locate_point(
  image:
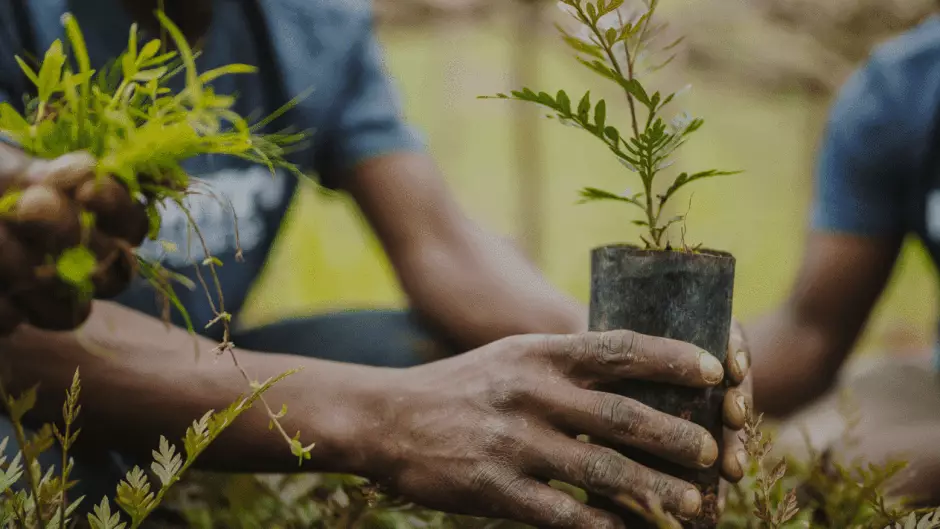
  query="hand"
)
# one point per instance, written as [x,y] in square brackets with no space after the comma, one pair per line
[483,433]
[44,221]
[738,403]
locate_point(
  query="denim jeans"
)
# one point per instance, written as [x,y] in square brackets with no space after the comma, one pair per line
[375,338]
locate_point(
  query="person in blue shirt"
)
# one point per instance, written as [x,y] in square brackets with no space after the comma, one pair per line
[877,182]
[480,432]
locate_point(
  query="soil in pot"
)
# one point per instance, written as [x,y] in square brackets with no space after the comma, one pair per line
[682,295]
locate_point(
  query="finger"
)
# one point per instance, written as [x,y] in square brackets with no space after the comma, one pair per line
[603,471]
[627,422]
[537,504]
[54,306]
[10,316]
[116,212]
[116,265]
[734,410]
[65,173]
[15,267]
[739,357]
[734,459]
[617,355]
[46,220]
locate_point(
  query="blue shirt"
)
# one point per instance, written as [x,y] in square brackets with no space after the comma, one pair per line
[877,172]
[354,114]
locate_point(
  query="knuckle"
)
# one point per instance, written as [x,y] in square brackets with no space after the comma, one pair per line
[615,347]
[618,415]
[565,514]
[501,439]
[509,392]
[484,476]
[668,490]
[603,471]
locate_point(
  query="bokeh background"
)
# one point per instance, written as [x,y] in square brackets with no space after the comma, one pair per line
[762,74]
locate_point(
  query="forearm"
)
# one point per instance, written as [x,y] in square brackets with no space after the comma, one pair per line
[792,363]
[140,381]
[479,288]
[472,285]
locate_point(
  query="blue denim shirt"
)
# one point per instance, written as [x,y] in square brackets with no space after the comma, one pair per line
[354,114]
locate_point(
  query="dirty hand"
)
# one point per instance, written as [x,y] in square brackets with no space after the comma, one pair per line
[483,433]
[44,220]
[738,402]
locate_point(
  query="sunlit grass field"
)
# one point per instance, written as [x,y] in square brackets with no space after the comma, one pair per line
[327,260]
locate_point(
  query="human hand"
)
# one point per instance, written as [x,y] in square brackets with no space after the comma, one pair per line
[738,403]
[45,220]
[483,433]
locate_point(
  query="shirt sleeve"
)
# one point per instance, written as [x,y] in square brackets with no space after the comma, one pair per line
[367,117]
[864,161]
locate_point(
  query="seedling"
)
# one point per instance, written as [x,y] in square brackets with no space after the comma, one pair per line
[650,289]
[618,46]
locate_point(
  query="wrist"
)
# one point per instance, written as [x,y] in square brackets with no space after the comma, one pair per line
[349,421]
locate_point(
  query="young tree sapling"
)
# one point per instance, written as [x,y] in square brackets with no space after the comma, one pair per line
[659,288]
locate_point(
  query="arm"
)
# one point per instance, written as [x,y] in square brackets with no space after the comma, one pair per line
[870,154]
[473,285]
[476,286]
[485,446]
[138,374]
[798,349]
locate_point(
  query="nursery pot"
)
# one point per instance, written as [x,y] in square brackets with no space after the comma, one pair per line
[683,295]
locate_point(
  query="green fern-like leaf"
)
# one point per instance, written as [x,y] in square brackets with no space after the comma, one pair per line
[103,518]
[167,462]
[10,475]
[134,495]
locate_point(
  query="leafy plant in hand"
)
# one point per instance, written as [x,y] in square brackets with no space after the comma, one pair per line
[620,49]
[139,131]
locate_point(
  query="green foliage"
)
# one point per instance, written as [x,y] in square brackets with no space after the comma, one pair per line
[818,492]
[617,47]
[44,502]
[136,128]
[140,131]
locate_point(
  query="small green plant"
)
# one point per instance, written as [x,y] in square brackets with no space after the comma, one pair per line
[43,502]
[140,131]
[619,48]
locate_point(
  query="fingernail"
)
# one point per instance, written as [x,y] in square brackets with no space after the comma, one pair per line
[742,404]
[743,363]
[691,503]
[709,453]
[711,368]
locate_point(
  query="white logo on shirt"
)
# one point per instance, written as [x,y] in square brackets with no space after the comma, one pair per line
[245,193]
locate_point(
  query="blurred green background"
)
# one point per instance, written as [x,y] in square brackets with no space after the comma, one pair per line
[328,260]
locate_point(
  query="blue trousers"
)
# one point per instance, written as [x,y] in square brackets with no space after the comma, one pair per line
[376,338]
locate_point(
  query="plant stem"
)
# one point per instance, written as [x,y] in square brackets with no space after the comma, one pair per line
[227,345]
[613,61]
[63,494]
[20,434]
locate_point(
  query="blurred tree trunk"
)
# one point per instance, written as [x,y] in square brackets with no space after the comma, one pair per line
[528,144]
